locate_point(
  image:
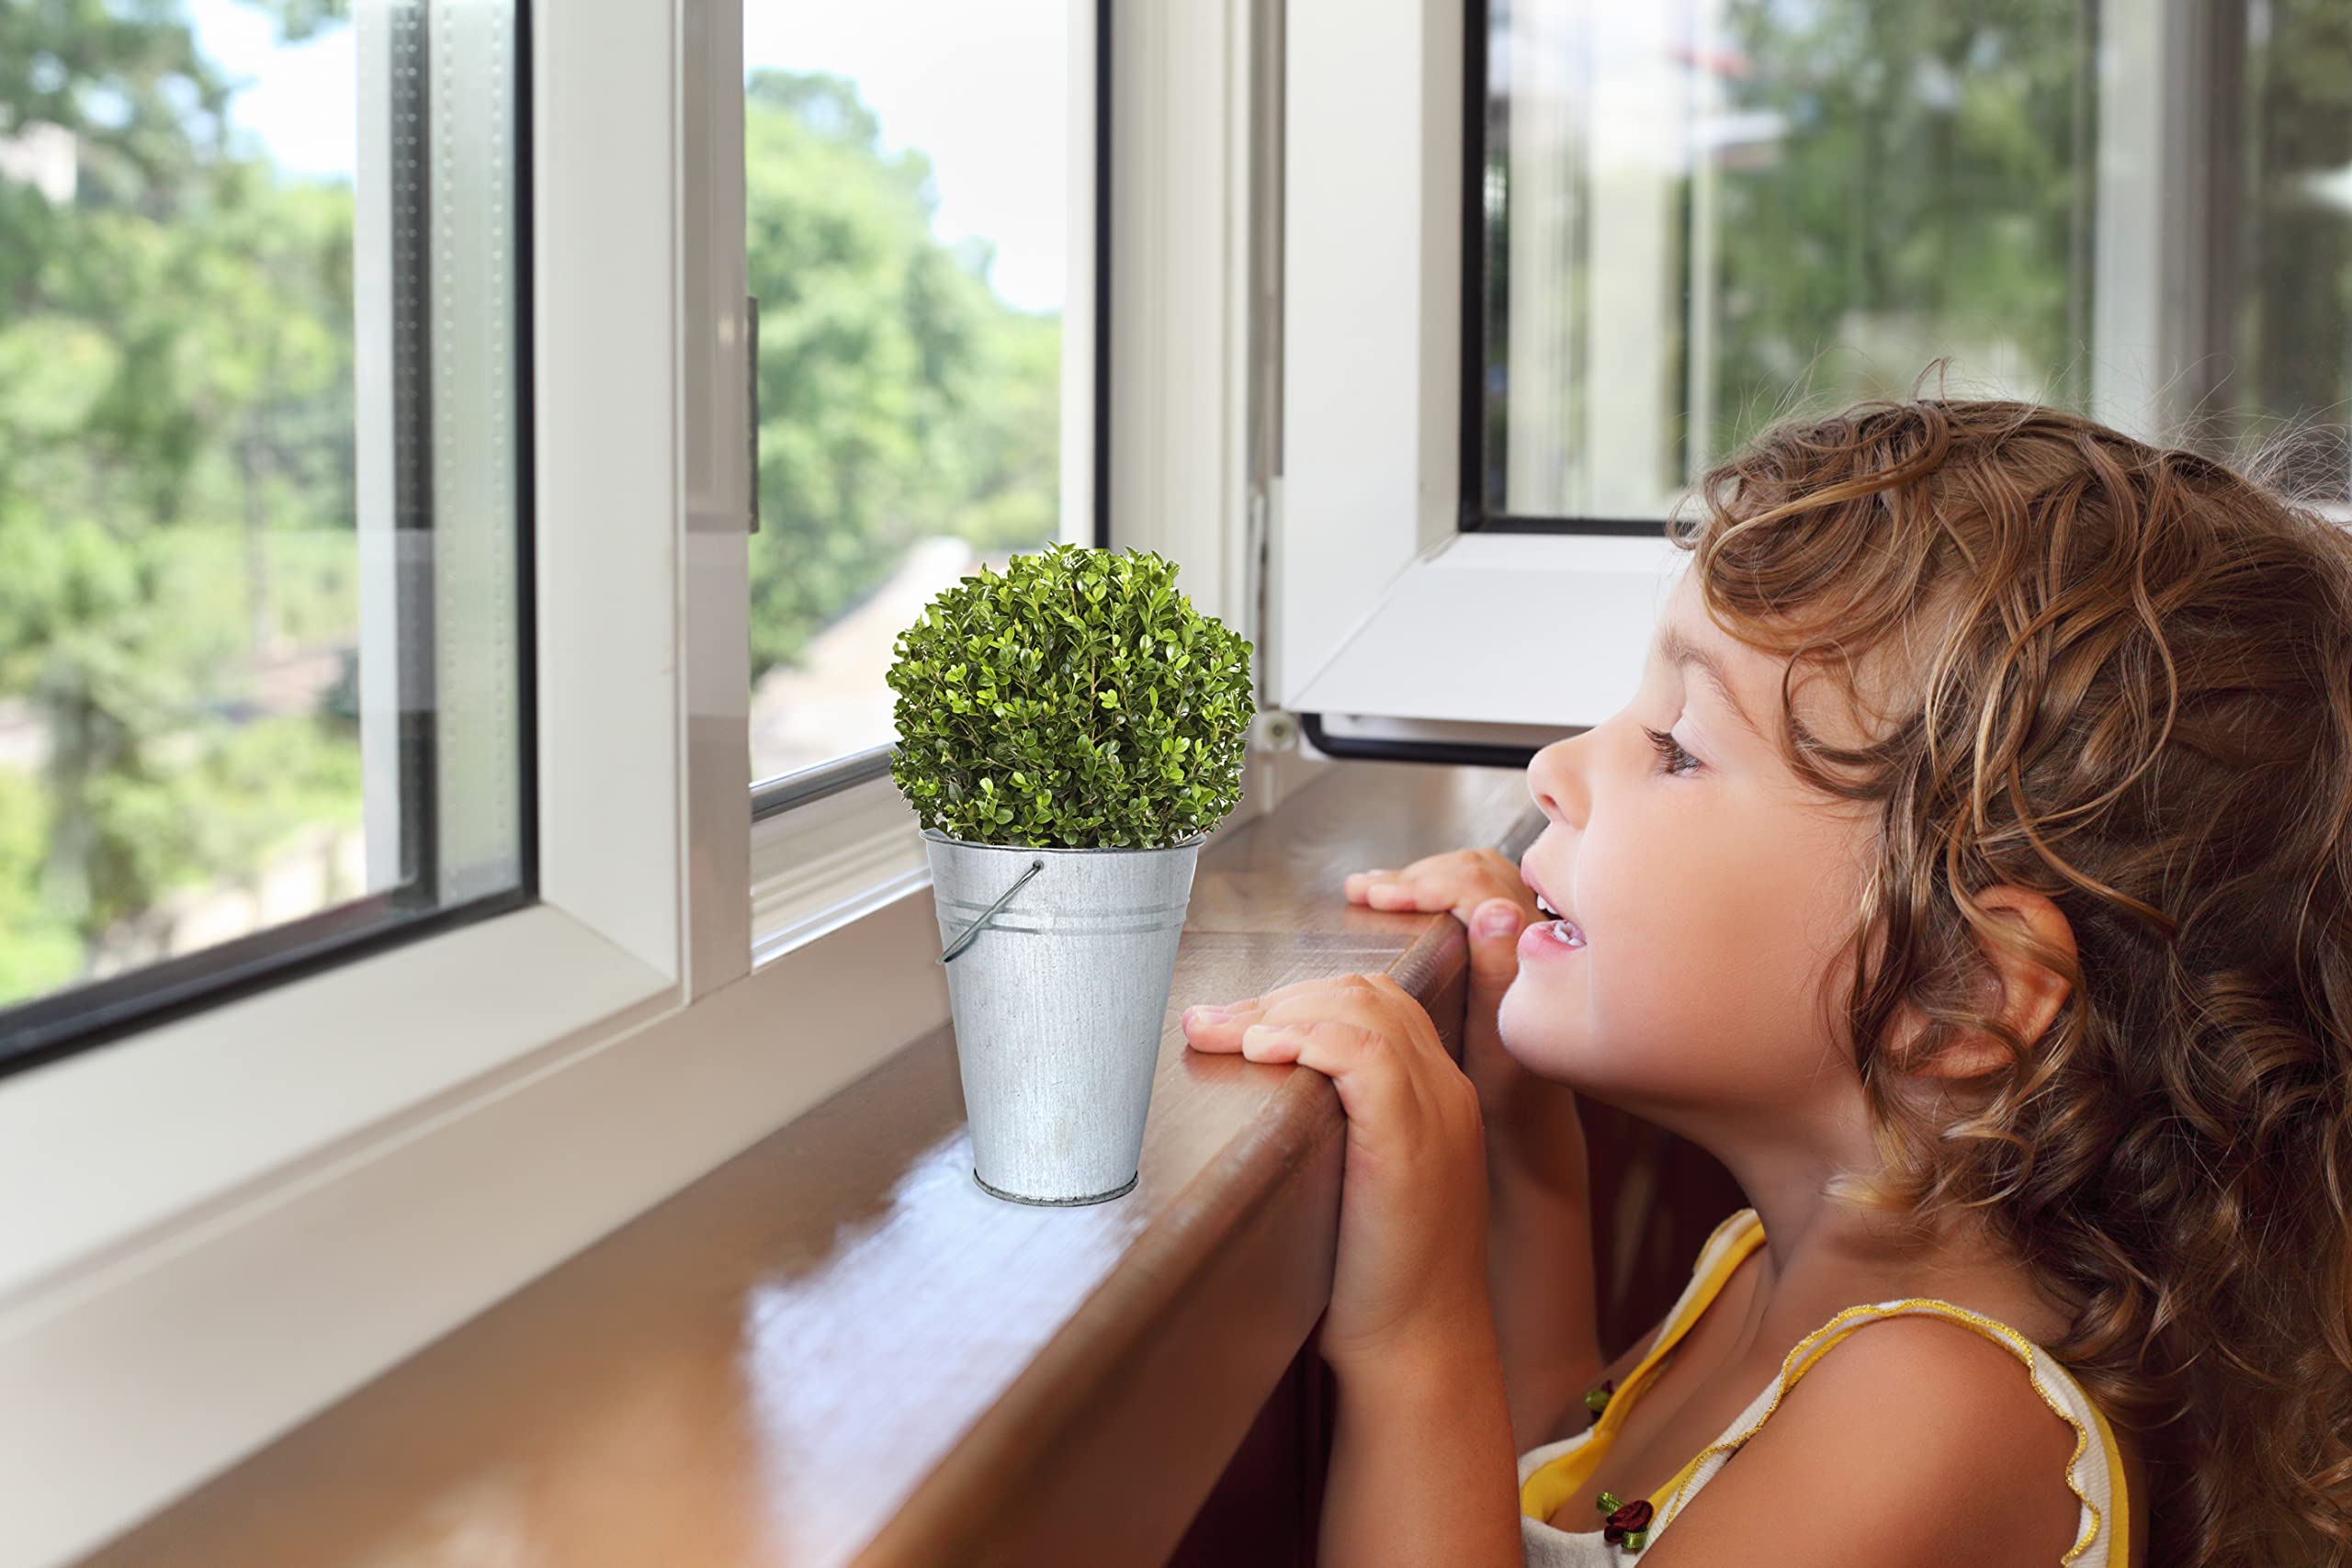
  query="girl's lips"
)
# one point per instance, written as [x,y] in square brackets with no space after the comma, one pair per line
[1544,939]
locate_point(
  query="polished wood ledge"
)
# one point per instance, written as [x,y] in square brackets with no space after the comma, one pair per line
[836,1349]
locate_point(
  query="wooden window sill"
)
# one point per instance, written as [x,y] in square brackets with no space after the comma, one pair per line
[836,1349]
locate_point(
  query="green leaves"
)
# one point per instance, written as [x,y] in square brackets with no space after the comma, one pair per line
[1115,712]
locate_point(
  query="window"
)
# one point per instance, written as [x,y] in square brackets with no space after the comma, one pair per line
[352,1162]
[920,243]
[1688,217]
[264,690]
[1562,258]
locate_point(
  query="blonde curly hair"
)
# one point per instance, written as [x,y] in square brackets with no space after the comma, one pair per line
[2126,683]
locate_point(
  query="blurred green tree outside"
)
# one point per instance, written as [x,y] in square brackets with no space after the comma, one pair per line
[1935,189]
[1929,182]
[176,464]
[899,397]
[1902,180]
[174,486]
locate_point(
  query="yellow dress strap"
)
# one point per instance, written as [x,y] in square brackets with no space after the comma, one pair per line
[1813,1346]
[1553,1482]
[2119,1549]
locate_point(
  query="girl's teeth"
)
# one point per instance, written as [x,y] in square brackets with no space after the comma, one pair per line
[1565,933]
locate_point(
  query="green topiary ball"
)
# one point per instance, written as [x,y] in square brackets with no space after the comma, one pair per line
[1077,701]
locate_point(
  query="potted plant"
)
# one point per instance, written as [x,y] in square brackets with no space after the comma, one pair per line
[1070,732]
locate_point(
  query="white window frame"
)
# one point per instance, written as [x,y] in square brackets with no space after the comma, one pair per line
[1371,570]
[224,1221]
[225,1224]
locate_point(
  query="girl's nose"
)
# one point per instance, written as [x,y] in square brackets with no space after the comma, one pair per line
[1553,783]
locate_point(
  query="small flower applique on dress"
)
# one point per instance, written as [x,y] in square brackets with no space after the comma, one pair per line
[1628,1524]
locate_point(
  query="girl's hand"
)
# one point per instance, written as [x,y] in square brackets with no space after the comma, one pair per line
[1411,1264]
[1482,890]
[1534,1131]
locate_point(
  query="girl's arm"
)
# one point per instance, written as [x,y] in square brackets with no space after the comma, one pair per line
[1421,1467]
[1539,1248]
[1539,1212]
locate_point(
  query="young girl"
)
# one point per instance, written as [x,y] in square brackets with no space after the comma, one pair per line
[1971,875]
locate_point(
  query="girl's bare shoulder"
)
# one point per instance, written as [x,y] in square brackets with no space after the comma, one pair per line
[1912,1439]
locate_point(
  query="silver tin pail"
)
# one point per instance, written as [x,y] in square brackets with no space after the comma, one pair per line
[1058,1000]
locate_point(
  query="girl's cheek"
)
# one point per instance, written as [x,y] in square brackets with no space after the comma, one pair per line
[1669,1002]
[1549,1026]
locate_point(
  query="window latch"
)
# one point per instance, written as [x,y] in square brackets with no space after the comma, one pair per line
[751,407]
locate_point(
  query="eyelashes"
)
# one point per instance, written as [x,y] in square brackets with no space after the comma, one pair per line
[1668,751]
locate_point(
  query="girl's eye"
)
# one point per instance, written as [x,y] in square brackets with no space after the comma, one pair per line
[1668,749]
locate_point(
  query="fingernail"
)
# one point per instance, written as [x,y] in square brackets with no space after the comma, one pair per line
[1206,1011]
[1497,920]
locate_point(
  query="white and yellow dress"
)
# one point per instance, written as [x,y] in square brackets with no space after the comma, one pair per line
[1553,1473]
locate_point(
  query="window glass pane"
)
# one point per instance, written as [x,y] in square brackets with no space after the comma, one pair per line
[260,559]
[907,178]
[2288,283]
[1695,216]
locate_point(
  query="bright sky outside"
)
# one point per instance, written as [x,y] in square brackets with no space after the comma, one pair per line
[981,89]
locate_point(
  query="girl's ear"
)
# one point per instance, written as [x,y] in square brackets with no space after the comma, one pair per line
[2031,994]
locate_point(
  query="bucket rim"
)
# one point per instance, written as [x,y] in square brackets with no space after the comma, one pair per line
[1193,842]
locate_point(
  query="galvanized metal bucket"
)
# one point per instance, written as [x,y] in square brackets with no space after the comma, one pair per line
[1058,966]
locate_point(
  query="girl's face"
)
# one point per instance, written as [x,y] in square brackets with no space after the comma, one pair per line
[1712,889]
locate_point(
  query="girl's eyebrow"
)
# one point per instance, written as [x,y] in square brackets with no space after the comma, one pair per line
[1682,653]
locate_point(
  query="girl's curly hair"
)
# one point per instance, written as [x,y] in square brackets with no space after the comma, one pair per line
[2124,682]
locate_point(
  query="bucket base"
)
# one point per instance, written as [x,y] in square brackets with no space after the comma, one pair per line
[1119,1191]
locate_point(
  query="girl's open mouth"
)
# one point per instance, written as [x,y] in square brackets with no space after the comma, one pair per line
[1547,937]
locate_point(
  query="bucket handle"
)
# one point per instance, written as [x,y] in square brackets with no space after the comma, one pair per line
[964,938]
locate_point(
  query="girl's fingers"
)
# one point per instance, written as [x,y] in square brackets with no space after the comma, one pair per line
[1217,1026]
[1212,1027]
[1375,1086]
[1455,881]
[1359,1031]
[1386,890]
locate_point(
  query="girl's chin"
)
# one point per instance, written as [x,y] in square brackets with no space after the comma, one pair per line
[1546,1057]
[1533,1036]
